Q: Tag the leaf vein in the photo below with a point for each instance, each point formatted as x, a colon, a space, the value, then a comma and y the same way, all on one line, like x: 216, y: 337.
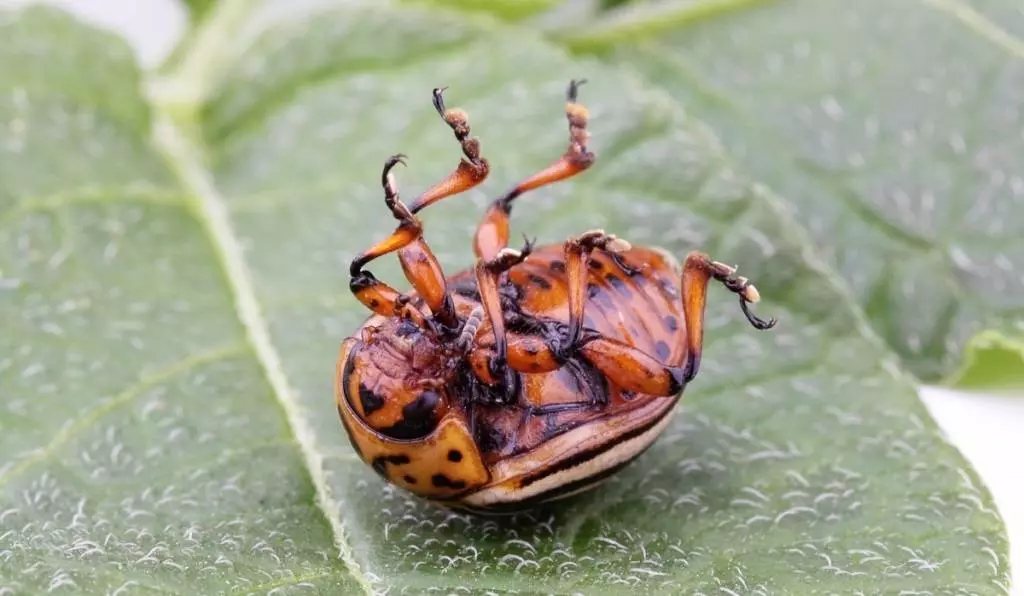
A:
x: 87, y: 420
x: 979, y: 24
x: 212, y: 213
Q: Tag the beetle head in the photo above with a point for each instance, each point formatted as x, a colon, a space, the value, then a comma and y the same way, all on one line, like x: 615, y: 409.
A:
x: 396, y: 378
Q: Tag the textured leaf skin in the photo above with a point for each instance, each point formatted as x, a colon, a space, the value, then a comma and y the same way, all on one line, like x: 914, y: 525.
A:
x: 141, y: 445
x: 800, y: 461
x: 891, y: 128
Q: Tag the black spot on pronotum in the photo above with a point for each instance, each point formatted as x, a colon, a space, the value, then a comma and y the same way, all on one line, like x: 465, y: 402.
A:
x: 455, y: 455
x: 442, y: 481
x: 540, y: 282
x: 370, y: 400
x: 671, y: 323
x: 417, y: 417
x: 409, y: 479
x: 557, y: 266
x: 662, y: 350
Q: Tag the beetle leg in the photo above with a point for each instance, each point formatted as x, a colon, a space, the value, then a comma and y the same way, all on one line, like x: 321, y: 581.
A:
x: 493, y: 232
x: 419, y: 264
x: 577, y: 255
x: 698, y: 270
x: 488, y: 276
x: 633, y: 369
x: 470, y: 172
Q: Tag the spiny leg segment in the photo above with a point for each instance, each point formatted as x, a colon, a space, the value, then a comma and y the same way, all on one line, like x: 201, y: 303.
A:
x: 418, y: 262
x: 490, y: 243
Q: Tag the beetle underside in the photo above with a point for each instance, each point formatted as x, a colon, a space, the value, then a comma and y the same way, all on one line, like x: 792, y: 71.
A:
x: 559, y: 364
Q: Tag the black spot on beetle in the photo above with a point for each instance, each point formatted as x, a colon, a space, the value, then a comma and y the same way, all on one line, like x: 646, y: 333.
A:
x: 557, y: 266
x: 619, y: 284
x: 595, y: 265
x: 380, y: 463
x: 628, y: 395
x: 539, y: 281
x: 406, y: 328
x: 442, y: 481
x: 662, y: 349
x: 370, y: 400
x: 374, y: 303
x: 409, y: 479
x: 455, y: 455
x: 417, y: 417
x: 671, y: 323
x: 667, y: 285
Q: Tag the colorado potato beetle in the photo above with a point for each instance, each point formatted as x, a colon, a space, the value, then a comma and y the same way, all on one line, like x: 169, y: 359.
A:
x: 537, y: 373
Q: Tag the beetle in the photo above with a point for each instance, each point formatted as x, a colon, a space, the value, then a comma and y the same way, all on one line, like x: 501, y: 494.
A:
x: 533, y: 375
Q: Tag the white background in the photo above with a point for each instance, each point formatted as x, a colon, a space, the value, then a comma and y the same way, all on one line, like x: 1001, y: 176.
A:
x: 986, y: 428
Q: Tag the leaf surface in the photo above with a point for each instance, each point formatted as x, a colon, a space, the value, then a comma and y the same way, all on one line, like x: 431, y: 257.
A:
x: 168, y: 418
x: 893, y: 129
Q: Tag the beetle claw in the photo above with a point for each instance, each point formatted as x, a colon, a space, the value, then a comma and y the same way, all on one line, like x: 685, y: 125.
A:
x: 439, y: 100
x: 574, y: 88
x: 756, y: 321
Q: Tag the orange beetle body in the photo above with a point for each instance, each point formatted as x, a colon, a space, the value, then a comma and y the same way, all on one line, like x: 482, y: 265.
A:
x: 532, y: 376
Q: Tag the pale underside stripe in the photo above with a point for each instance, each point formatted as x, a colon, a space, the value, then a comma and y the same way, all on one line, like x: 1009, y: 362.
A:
x: 618, y: 454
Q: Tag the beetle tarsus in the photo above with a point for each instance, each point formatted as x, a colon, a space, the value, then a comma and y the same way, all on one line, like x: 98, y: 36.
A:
x: 470, y: 171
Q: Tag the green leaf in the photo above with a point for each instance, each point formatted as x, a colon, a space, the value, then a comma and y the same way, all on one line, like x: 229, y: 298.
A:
x: 198, y: 8
x: 142, y: 446
x: 992, y: 362
x: 174, y: 274
x: 512, y: 10
x: 891, y: 128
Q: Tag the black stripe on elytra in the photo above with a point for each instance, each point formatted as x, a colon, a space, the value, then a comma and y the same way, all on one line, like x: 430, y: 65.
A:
x: 589, y: 454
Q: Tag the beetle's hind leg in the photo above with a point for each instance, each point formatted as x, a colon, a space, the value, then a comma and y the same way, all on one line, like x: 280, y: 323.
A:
x: 492, y: 234
x: 634, y: 370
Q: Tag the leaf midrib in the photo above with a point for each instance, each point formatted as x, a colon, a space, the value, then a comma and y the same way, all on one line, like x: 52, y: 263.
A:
x: 184, y: 158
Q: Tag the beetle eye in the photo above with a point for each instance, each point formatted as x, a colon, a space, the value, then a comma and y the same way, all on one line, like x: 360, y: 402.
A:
x: 419, y: 416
